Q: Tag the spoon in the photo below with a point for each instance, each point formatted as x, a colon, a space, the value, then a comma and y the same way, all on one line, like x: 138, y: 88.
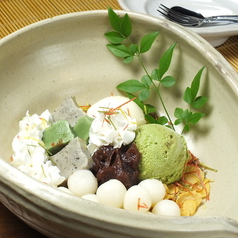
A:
x: 187, y: 12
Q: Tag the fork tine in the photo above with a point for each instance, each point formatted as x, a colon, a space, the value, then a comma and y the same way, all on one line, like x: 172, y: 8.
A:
x: 173, y: 15
x: 164, y: 14
x: 164, y: 7
x: 165, y: 11
x: 171, y: 18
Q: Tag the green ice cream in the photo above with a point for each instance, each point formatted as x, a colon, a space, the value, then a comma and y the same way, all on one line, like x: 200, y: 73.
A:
x: 164, y: 153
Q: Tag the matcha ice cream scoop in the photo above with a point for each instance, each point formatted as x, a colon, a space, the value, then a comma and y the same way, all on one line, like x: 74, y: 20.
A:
x: 164, y: 153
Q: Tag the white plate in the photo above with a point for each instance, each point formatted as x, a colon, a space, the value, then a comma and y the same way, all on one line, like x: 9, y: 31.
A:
x: 216, y: 35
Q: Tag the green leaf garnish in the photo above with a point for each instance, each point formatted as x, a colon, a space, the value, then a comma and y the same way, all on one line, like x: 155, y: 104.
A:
x: 199, y: 102
x: 187, y: 97
x: 196, y: 83
x: 165, y: 60
x: 146, y: 81
x: 162, y: 120
x: 147, y: 41
x: 126, y: 27
x: 114, y: 37
x: 195, y: 117
x: 128, y: 59
x: 144, y: 94
x: 133, y: 48
x: 155, y: 75
x: 115, y: 20
x: 152, y: 82
x: 168, y: 81
x: 188, y: 117
x: 131, y: 86
x: 119, y: 50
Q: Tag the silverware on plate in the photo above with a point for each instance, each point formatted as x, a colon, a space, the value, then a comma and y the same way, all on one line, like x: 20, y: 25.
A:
x: 189, y: 18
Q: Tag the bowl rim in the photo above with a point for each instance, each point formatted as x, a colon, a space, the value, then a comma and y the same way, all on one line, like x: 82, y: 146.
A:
x: 192, y: 37
x: 54, y: 202
x: 12, y: 177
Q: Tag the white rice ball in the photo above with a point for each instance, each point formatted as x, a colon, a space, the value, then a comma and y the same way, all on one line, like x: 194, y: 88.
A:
x: 156, y: 189
x: 82, y: 182
x: 111, y: 193
x: 137, y: 198
x: 166, y: 208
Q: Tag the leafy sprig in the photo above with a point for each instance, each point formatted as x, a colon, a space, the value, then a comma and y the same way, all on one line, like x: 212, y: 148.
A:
x: 121, y: 46
x: 187, y: 117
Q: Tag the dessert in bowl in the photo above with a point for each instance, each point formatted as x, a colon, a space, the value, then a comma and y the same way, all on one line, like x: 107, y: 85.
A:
x: 51, y: 60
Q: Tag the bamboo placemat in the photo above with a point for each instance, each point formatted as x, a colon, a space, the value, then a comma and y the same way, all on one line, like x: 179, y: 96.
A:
x: 230, y: 51
x: 15, y: 14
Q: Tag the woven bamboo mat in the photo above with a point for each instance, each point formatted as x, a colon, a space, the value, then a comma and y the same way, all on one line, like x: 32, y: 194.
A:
x: 230, y: 51
x: 15, y: 14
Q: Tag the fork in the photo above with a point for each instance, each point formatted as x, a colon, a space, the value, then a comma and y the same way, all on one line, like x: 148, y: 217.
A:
x: 192, y: 21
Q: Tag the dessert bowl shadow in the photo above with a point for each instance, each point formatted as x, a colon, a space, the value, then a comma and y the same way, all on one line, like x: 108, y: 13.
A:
x: 42, y: 64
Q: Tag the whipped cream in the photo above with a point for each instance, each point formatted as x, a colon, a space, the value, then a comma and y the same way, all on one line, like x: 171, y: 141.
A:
x: 29, y: 153
x: 111, y: 127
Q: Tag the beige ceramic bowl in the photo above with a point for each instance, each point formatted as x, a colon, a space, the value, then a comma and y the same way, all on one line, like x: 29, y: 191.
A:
x: 43, y: 63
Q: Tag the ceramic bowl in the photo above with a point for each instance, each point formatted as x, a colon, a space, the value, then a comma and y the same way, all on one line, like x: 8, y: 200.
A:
x: 43, y: 63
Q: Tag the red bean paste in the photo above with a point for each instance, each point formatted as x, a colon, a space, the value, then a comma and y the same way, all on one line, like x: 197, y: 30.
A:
x: 117, y: 163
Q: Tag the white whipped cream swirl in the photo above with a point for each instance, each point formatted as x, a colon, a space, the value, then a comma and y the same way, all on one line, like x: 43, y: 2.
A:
x: 29, y: 153
x: 111, y: 127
